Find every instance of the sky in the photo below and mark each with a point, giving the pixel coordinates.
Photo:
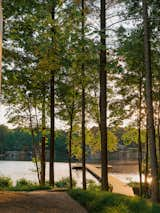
(4, 121)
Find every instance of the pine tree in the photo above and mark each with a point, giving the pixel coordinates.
(149, 103)
(103, 98)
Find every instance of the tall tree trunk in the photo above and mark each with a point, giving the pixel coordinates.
(139, 137)
(52, 86)
(33, 142)
(70, 150)
(43, 143)
(103, 98)
(159, 131)
(147, 161)
(149, 103)
(38, 130)
(1, 34)
(83, 105)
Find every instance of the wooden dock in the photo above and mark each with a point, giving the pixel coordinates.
(118, 185)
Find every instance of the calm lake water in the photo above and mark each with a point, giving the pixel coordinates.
(26, 169)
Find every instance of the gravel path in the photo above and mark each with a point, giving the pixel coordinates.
(38, 202)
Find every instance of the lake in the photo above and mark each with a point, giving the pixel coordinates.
(26, 169)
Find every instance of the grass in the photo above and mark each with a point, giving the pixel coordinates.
(22, 184)
(65, 183)
(106, 202)
(6, 184)
(146, 189)
(29, 188)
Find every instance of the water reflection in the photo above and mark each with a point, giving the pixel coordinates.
(26, 169)
(130, 177)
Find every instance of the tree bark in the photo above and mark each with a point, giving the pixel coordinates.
(83, 105)
(52, 109)
(139, 138)
(149, 104)
(147, 161)
(33, 142)
(43, 143)
(103, 98)
(159, 131)
(52, 138)
(1, 34)
(70, 151)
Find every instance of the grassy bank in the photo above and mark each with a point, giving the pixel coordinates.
(106, 202)
(6, 184)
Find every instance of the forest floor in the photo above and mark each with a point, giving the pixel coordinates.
(38, 202)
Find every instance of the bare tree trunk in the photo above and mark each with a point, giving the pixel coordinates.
(83, 106)
(1, 34)
(70, 151)
(43, 143)
(149, 103)
(38, 130)
(52, 139)
(147, 161)
(33, 142)
(159, 131)
(103, 98)
(139, 137)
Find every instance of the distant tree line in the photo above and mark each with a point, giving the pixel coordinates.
(20, 139)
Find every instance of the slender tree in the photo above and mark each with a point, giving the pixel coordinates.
(52, 110)
(139, 136)
(149, 104)
(33, 139)
(103, 97)
(83, 101)
(158, 130)
(1, 33)
(146, 160)
(43, 141)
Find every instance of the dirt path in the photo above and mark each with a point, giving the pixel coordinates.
(38, 202)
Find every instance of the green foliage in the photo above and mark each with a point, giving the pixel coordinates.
(5, 182)
(103, 202)
(23, 182)
(93, 140)
(28, 188)
(91, 185)
(20, 139)
(65, 183)
(131, 136)
(21, 185)
(146, 189)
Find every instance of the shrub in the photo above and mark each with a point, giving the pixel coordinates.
(107, 202)
(27, 185)
(91, 185)
(23, 182)
(146, 189)
(5, 182)
(65, 183)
